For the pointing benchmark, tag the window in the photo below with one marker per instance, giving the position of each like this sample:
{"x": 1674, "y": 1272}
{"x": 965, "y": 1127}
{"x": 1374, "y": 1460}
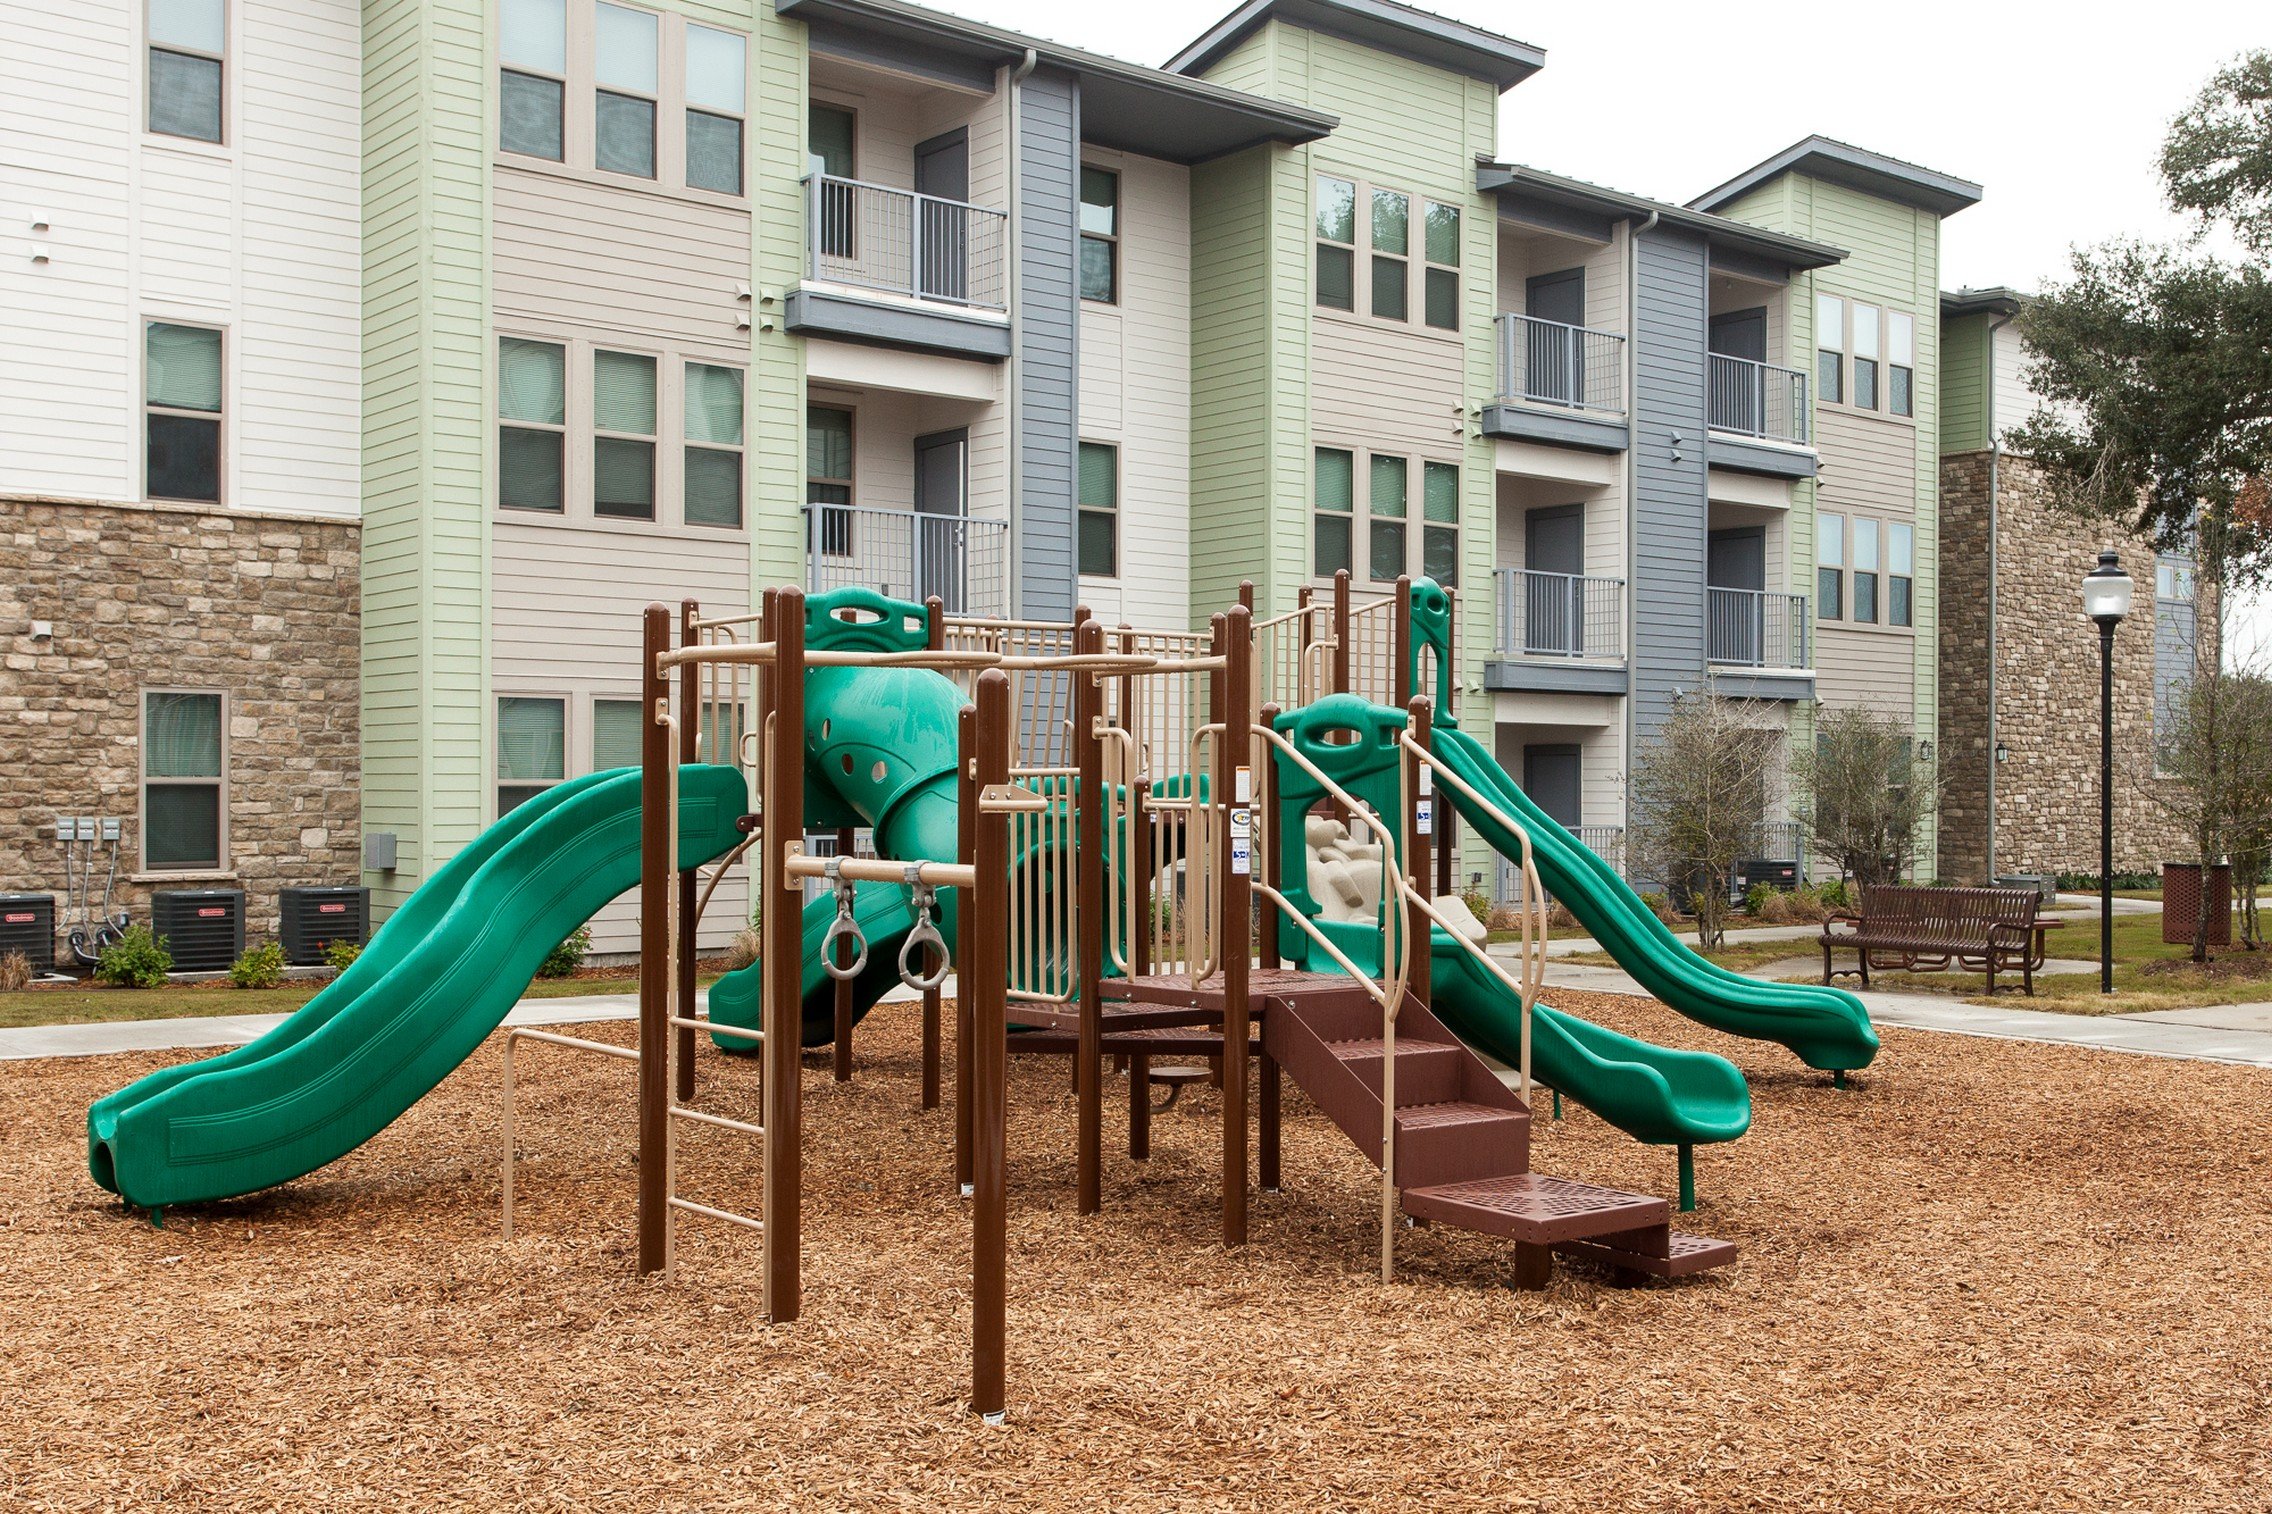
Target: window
{"x": 183, "y": 760}
{"x": 713, "y": 445}
{"x": 2173, "y": 580}
{"x": 1384, "y": 511}
{"x": 625, "y": 43}
{"x": 532, "y": 43}
{"x": 1830, "y": 348}
{"x": 1439, "y": 298}
{"x": 1865, "y": 360}
{"x": 1100, "y": 510}
{"x": 1100, "y": 235}
{"x": 1392, "y": 246}
{"x": 1865, "y": 571}
{"x": 532, "y": 748}
{"x": 1439, "y": 532}
{"x": 1830, "y": 563}
{"x": 188, "y": 47}
{"x": 623, "y": 443}
{"x": 831, "y": 136}
{"x": 1336, "y": 244}
{"x": 717, "y": 85}
{"x": 182, "y": 385}
{"x": 1901, "y": 573}
{"x": 532, "y": 424}
{"x": 617, "y": 736}
{"x": 828, "y": 475}
{"x": 1901, "y": 364}
{"x": 1334, "y": 511}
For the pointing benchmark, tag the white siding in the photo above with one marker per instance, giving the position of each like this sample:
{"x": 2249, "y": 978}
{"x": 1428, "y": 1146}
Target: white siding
{"x": 2014, "y": 401}
{"x": 1135, "y": 394}
{"x": 260, "y": 235}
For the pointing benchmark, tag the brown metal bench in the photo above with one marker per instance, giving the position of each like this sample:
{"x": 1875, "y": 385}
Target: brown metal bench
{"x": 1989, "y": 930}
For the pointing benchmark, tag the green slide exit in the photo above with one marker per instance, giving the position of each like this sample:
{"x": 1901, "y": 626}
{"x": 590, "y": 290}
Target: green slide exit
{"x": 432, "y": 984}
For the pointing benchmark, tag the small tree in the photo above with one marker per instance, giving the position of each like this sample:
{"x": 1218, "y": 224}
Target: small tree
{"x": 2214, "y": 778}
{"x": 1870, "y": 795}
{"x": 1699, "y": 792}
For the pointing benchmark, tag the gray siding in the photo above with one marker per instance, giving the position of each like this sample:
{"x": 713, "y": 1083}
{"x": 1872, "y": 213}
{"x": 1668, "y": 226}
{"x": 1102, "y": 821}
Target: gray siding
{"x": 1048, "y": 336}
{"x": 1669, "y": 497}
{"x": 2176, "y": 647}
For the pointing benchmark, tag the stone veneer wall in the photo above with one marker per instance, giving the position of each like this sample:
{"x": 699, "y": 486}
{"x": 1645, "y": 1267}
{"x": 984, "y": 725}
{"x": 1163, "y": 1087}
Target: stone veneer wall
{"x": 261, "y": 606}
{"x": 2046, "y": 685}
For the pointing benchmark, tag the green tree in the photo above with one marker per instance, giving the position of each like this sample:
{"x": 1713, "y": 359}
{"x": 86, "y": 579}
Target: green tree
{"x": 2217, "y": 159}
{"x": 1699, "y": 790}
{"x": 1868, "y": 795}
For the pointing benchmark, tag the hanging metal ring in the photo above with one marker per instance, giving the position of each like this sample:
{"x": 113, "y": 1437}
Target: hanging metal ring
{"x": 842, "y": 926}
{"x": 923, "y": 938}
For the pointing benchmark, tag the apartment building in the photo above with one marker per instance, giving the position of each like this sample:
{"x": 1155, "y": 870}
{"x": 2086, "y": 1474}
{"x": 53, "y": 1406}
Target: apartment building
{"x": 549, "y": 308}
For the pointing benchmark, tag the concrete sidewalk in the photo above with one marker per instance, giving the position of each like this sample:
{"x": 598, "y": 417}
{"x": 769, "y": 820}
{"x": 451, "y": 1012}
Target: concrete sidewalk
{"x": 220, "y": 1032}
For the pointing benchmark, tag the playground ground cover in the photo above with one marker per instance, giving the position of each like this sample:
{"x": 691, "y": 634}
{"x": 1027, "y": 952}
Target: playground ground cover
{"x": 1992, "y": 1276}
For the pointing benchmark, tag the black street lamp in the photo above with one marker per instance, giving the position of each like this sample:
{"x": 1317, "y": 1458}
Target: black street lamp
{"x": 2106, "y": 600}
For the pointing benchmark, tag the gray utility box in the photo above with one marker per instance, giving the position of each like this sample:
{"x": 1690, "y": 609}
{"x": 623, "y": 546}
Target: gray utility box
{"x": 2046, "y": 885}
{"x": 311, "y": 919}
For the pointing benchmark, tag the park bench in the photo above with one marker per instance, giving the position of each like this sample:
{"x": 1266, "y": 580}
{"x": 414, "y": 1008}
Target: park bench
{"x": 1989, "y": 930}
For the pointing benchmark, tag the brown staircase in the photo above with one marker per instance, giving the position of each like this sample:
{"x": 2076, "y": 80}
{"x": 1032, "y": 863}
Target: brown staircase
{"x": 1462, "y": 1136}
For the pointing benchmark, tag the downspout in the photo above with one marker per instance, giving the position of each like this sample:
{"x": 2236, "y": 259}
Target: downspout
{"x": 1995, "y": 457}
{"x": 1633, "y": 235}
{"x": 1014, "y": 394}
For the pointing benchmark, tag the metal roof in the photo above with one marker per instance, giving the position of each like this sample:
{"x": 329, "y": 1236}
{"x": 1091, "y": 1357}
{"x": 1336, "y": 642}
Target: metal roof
{"x": 1392, "y": 27}
{"x": 1857, "y": 168}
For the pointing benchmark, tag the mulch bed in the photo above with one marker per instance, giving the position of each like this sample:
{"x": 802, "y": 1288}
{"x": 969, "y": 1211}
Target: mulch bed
{"x": 1992, "y": 1276}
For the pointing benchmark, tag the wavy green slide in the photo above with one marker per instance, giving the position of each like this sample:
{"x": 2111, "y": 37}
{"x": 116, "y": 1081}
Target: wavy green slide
{"x": 1826, "y": 1027}
{"x": 432, "y": 984}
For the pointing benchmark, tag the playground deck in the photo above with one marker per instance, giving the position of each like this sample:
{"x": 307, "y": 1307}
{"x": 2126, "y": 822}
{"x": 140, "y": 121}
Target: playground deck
{"x": 1994, "y": 1275}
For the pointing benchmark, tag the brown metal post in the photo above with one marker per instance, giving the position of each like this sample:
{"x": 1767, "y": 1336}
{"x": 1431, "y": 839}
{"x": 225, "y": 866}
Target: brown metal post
{"x": 1089, "y": 912}
{"x": 985, "y": 985}
{"x": 784, "y": 963}
{"x": 935, "y": 623}
{"x": 1246, "y": 594}
{"x": 689, "y": 889}
{"x": 966, "y": 935}
{"x": 1235, "y": 792}
{"x": 1447, "y": 823}
{"x": 843, "y": 1043}
{"x": 1140, "y": 962}
{"x": 1419, "y": 841}
{"x": 1341, "y": 631}
{"x": 655, "y": 759}
{"x": 1273, "y": 865}
{"x": 1400, "y": 645}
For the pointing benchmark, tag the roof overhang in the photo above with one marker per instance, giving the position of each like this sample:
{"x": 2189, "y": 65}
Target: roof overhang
{"x": 1994, "y": 301}
{"x": 1393, "y": 28}
{"x": 1554, "y": 203}
{"x": 1123, "y": 105}
{"x": 1855, "y": 167}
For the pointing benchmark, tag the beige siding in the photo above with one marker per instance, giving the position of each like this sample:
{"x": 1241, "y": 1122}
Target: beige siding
{"x": 1136, "y": 393}
{"x": 1523, "y": 255}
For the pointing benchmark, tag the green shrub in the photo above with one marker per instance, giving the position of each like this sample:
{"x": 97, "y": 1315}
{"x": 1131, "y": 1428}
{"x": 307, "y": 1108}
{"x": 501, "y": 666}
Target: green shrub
{"x": 259, "y": 966}
{"x": 1836, "y": 894}
{"x": 1478, "y": 903}
{"x": 569, "y": 955}
{"x": 340, "y": 955}
{"x": 1660, "y": 906}
{"x": 1755, "y": 898}
{"x": 136, "y": 959}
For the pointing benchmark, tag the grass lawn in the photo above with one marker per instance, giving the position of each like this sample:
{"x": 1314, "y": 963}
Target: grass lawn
{"x": 95, "y": 1002}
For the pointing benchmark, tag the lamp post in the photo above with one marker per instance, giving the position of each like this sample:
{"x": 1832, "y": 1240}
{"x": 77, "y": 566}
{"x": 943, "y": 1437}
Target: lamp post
{"x": 2106, "y": 600}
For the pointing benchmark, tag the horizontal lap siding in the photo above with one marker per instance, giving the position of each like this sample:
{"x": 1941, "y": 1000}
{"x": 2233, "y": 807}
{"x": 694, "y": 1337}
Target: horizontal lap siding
{"x": 1231, "y": 361}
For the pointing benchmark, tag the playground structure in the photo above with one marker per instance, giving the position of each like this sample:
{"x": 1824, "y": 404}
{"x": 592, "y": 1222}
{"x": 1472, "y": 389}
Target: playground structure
{"x": 1091, "y": 815}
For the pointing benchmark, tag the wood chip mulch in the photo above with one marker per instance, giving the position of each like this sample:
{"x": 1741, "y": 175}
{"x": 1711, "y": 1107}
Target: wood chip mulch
{"x": 1993, "y": 1276}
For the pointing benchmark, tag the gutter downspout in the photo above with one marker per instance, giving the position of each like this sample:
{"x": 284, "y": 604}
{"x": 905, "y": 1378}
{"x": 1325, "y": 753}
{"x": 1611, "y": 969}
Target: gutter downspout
{"x": 1995, "y": 458}
{"x": 1014, "y": 392}
{"x": 1633, "y": 235}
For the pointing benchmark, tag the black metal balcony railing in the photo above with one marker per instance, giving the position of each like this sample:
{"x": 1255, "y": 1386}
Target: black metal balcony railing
{"x": 908, "y": 555}
{"x": 873, "y": 236}
{"x": 1757, "y": 399}
{"x": 1560, "y": 615}
{"x": 1549, "y": 363}
{"x": 1754, "y": 628}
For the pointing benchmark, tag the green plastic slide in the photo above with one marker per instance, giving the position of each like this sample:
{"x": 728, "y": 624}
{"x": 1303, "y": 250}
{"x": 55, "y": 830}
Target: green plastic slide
{"x": 1826, "y": 1027}
{"x": 432, "y": 984}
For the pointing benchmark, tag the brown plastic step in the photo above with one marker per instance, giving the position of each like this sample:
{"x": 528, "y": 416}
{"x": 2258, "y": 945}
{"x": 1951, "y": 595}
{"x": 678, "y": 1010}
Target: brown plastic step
{"x": 1456, "y": 1141}
{"x": 1676, "y": 1255}
{"x": 1427, "y": 1072}
{"x": 1534, "y": 1208}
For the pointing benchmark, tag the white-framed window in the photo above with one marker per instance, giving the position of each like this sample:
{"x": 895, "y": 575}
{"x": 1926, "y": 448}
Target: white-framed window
{"x": 627, "y": 84}
{"x": 184, "y": 381}
{"x": 1392, "y": 255}
{"x": 1865, "y": 570}
{"x": 829, "y": 478}
{"x": 1100, "y": 510}
{"x": 1830, "y": 349}
{"x": 623, "y": 434}
{"x": 188, "y": 60}
{"x": 1383, "y": 518}
{"x": 714, "y": 443}
{"x": 1333, "y": 510}
{"x": 1336, "y": 243}
{"x": 532, "y": 425}
{"x": 532, "y": 746}
{"x": 1865, "y": 322}
{"x": 1439, "y": 298}
{"x": 1865, "y": 356}
{"x": 185, "y": 761}
{"x": 617, "y": 735}
{"x": 1901, "y": 573}
{"x": 1100, "y": 235}
{"x": 1406, "y": 246}
{"x": 717, "y": 108}
{"x": 1830, "y": 566}
{"x": 1901, "y": 363}
{"x": 1388, "y": 489}
{"x": 532, "y": 79}
{"x": 1439, "y": 521}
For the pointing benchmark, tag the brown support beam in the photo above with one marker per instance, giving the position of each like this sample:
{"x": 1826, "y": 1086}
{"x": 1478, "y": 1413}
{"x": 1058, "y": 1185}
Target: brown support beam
{"x": 1447, "y": 823}
{"x": 985, "y": 985}
{"x": 784, "y": 962}
{"x": 966, "y": 933}
{"x": 689, "y": 724}
{"x": 1400, "y": 645}
{"x": 655, "y": 883}
{"x": 1341, "y": 631}
{"x": 1273, "y": 865}
{"x": 1139, "y": 1106}
{"x": 1234, "y": 791}
{"x": 1089, "y": 911}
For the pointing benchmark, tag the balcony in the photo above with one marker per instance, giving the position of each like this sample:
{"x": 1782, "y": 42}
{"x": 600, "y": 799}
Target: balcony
{"x": 910, "y": 555}
{"x": 1756, "y": 628}
{"x": 891, "y": 266}
{"x": 1558, "y": 633}
{"x": 1758, "y": 415}
{"x": 1559, "y": 383}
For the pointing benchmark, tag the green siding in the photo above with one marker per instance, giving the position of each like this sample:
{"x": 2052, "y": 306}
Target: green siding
{"x": 425, "y": 442}
{"x": 776, "y": 417}
{"x": 1966, "y": 382}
